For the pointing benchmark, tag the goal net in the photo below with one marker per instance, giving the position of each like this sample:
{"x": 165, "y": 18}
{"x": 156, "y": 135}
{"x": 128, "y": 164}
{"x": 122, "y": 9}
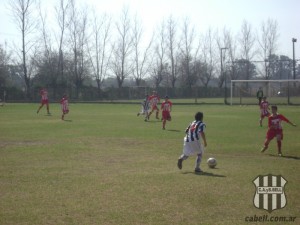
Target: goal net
{"x": 243, "y": 92}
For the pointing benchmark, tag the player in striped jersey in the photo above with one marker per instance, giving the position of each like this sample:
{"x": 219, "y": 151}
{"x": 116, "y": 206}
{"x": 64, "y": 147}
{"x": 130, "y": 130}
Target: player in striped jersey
{"x": 154, "y": 100}
{"x": 145, "y": 108}
{"x": 264, "y": 109}
{"x": 44, "y": 100}
{"x": 64, "y": 106}
{"x": 166, "y": 107}
{"x": 192, "y": 143}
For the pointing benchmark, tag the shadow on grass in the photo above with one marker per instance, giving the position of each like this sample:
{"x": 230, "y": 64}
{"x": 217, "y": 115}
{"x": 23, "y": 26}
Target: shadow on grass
{"x": 286, "y": 156}
{"x": 153, "y": 121}
{"x": 204, "y": 173}
{"x": 174, "y": 130}
{"x": 67, "y": 120}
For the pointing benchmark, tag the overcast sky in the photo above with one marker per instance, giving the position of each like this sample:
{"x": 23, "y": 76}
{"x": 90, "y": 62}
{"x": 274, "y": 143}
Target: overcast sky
{"x": 203, "y": 14}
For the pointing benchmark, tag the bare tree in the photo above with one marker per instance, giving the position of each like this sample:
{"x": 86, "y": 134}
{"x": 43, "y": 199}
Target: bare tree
{"x": 268, "y": 44}
{"x": 230, "y": 44}
{"x": 247, "y": 42}
{"x": 141, "y": 54}
{"x": 187, "y": 54}
{"x": 159, "y": 68}
{"x": 121, "y": 65}
{"x": 98, "y": 49}
{"x": 22, "y": 11}
{"x": 61, "y": 15}
{"x": 78, "y": 40}
{"x": 172, "y": 46}
{"x": 209, "y": 59}
{"x": 46, "y": 62}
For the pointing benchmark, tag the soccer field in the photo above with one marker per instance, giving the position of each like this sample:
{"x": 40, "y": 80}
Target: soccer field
{"x": 104, "y": 165}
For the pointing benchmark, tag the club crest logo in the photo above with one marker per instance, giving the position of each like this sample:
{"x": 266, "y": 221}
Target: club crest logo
{"x": 269, "y": 192}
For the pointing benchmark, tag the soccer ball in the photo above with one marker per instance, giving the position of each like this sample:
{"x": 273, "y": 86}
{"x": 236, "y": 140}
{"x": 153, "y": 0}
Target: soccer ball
{"x": 211, "y": 162}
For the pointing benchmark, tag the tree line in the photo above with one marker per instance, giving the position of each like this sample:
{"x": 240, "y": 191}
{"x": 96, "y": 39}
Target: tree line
{"x": 78, "y": 47}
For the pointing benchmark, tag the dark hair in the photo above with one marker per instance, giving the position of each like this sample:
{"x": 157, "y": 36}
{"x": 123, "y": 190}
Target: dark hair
{"x": 274, "y": 107}
{"x": 199, "y": 116}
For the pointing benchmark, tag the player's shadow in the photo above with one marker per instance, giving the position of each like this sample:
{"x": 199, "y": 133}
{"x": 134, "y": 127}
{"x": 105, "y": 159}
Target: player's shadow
{"x": 286, "y": 156}
{"x": 173, "y": 130}
{"x": 204, "y": 173}
{"x": 153, "y": 121}
{"x": 67, "y": 120}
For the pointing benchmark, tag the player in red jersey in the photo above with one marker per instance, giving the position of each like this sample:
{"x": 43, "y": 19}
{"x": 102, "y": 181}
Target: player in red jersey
{"x": 264, "y": 109}
{"x": 166, "y": 108}
{"x": 154, "y": 100}
{"x": 275, "y": 129}
{"x": 64, "y": 106}
{"x": 44, "y": 100}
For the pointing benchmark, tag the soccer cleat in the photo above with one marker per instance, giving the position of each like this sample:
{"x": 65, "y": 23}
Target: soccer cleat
{"x": 179, "y": 163}
{"x": 263, "y": 149}
{"x": 198, "y": 170}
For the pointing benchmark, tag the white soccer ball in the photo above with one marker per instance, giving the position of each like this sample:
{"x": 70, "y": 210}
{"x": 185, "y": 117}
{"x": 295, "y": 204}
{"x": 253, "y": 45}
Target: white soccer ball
{"x": 211, "y": 162}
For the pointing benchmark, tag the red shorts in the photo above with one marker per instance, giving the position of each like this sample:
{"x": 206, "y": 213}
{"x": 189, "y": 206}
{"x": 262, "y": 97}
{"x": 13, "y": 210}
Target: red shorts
{"x": 166, "y": 115}
{"x": 273, "y": 133}
{"x": 155, "y": 108}
{"x": 45, "y": 102}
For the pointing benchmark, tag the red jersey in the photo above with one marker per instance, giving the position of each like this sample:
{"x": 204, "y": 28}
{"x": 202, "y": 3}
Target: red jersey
{"x": 264, "y": 108}
{"x": 64, "y": 105}
{"x": 154, "y": 100}
{"x": 44, "y": 94}
{"x": 274, "y": 121}
{"x": 166, "y": 106}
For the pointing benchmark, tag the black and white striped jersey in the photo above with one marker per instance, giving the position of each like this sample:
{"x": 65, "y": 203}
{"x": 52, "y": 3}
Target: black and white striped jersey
{"x": 193, "y": 131}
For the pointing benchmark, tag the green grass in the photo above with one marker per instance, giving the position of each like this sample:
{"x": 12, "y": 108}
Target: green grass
{"x": 105, "y": 165}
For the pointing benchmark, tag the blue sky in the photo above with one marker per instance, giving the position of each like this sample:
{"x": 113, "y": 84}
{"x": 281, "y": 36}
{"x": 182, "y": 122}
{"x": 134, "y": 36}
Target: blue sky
{"x": 203, "y": 14}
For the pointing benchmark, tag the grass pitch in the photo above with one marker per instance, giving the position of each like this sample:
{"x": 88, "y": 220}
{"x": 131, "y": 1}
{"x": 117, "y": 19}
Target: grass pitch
{"x": 104, "y": 165}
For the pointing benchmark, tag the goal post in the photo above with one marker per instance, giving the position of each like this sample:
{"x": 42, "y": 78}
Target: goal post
{"x": 243, "y": 92}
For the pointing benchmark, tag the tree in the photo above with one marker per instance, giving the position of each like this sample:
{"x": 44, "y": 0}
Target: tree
{"x": 78, "y": 40}
{"x": 280, "y": 66}
{"x": 207, "y": 65}
{"x": 62, "y": 11}
{"x": 141, "y": 56}
{"x": 22, "y": 11}
{"x": 246, "y": 41}
{"x": 122, "y": 49}
{"x": 4, "y": 66}
{"x": 189, "y": 74}
{"x": 245, "y": 70}
{"x": 172, "y": 47}
{"x": 268, "y": 44}
{"x": 98, "y": 49}
{"x": 159, "y": 67}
